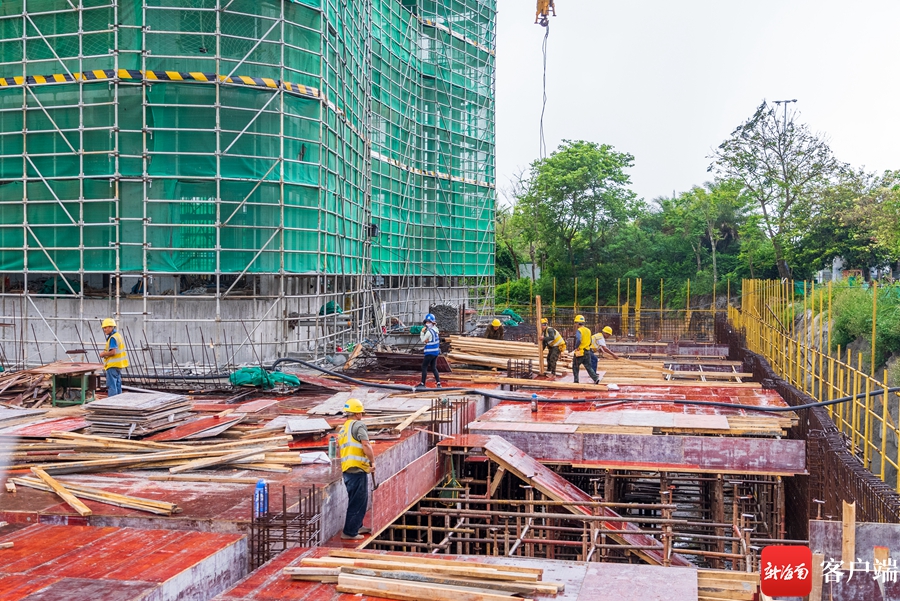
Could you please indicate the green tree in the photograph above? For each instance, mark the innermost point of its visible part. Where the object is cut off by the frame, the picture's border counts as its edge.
(576, 196)
(780, 164)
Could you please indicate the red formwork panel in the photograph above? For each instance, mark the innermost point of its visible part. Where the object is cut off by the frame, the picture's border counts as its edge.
(112, 564)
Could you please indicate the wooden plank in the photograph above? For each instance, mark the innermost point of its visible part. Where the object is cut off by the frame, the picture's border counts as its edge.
(402, 425)
(6, 545)
(430, 561)
(200, 478)
(540, 334)
(223, 459)
(404, 590)
(848, 533)
(524, 588)
(465, 570)
(817, 577)
(73, 502)
(93, 494)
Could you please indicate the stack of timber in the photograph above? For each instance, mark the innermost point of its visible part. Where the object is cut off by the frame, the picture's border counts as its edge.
(24, 388)
(716, 585)
(137, 414)
(495, 353)
(408, 577)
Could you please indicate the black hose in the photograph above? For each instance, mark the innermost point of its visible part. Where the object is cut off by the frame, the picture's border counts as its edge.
(502, 397)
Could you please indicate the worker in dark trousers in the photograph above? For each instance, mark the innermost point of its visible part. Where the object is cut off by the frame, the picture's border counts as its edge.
(494, 331)
(583, 354)
(357, 462)
(599, 347)
(554, 343)
(115, 359)
(431, 337)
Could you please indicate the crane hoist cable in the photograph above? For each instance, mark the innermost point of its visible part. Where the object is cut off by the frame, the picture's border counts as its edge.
(542, 18)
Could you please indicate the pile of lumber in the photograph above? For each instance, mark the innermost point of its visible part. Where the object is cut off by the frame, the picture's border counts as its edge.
(717, 585)
(495, 353)
(137, 414)
(425, 579)
(71, 453)
(24, 388)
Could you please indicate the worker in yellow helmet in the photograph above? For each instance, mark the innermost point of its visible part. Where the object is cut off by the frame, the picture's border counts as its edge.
(582, 353)
(357, 461)
(598, 346)
(494, 331)
(554, 342)
(115, 359)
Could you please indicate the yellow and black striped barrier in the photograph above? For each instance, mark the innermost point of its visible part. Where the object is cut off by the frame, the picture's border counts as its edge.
(131, 74)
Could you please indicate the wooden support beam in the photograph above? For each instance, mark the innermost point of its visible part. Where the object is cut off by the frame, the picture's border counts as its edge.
(540, 334)
(848, 533)
(223, 459)
(73, 502)
(201, 478)
(402, 425)
(817, 577)
(405, 590)
(6, 545)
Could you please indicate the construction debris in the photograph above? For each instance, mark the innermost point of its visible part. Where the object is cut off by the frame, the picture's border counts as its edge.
(24, 388)
(137, 414)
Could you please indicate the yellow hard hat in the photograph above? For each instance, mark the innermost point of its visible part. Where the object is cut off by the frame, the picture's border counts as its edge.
(496, 323)
(579, 319)
(544, 321)
(607, 330)
(108, 323)
(353, 406)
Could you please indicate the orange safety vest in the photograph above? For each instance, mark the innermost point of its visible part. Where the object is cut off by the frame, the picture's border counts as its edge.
(120, 359)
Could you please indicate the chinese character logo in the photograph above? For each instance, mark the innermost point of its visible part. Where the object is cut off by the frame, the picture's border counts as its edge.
(785, 571)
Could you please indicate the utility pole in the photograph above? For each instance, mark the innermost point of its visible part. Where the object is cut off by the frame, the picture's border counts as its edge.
(785, 103)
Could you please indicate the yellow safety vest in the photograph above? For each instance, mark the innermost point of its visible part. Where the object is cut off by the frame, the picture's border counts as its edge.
(352, 454)
(595, 342)
(120, 359)
(558, 340)
(585, 341)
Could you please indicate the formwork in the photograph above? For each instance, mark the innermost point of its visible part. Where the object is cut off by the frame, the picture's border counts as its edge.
(282, 174)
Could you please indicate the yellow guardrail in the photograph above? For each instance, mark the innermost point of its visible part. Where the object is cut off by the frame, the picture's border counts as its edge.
(794, 337)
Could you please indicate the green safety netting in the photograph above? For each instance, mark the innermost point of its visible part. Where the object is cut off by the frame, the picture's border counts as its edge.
(257, 376)
(184, 176)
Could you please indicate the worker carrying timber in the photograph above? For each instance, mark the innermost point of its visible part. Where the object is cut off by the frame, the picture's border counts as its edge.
(582, 353)
(431, 338)
(115, 359)
(599, 347)
(554, 342)
(494, 331)
(357, 462)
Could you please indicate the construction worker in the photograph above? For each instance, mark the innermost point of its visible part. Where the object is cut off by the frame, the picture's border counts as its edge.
(431, 337)
(582, 353)
(554, 342)
(357, 461)
(115, 359)
(494, 331)
(598, 347)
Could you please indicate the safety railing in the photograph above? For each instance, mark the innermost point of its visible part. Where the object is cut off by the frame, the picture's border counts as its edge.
(794, 337)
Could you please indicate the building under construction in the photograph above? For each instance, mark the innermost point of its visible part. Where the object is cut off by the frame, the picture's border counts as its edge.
(276, 176)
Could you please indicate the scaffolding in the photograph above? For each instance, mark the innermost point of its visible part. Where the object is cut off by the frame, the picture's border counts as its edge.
(283, 173)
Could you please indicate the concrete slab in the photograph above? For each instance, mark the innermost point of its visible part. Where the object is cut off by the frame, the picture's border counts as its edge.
(49, 563)
(634, 582)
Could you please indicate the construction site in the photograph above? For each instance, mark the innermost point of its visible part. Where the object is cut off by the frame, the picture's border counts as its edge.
(267, 198)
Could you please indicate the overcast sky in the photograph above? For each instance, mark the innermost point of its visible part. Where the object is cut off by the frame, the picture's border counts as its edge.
(668, 80)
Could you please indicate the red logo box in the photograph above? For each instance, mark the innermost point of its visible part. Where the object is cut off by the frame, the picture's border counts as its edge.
(786, 571)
